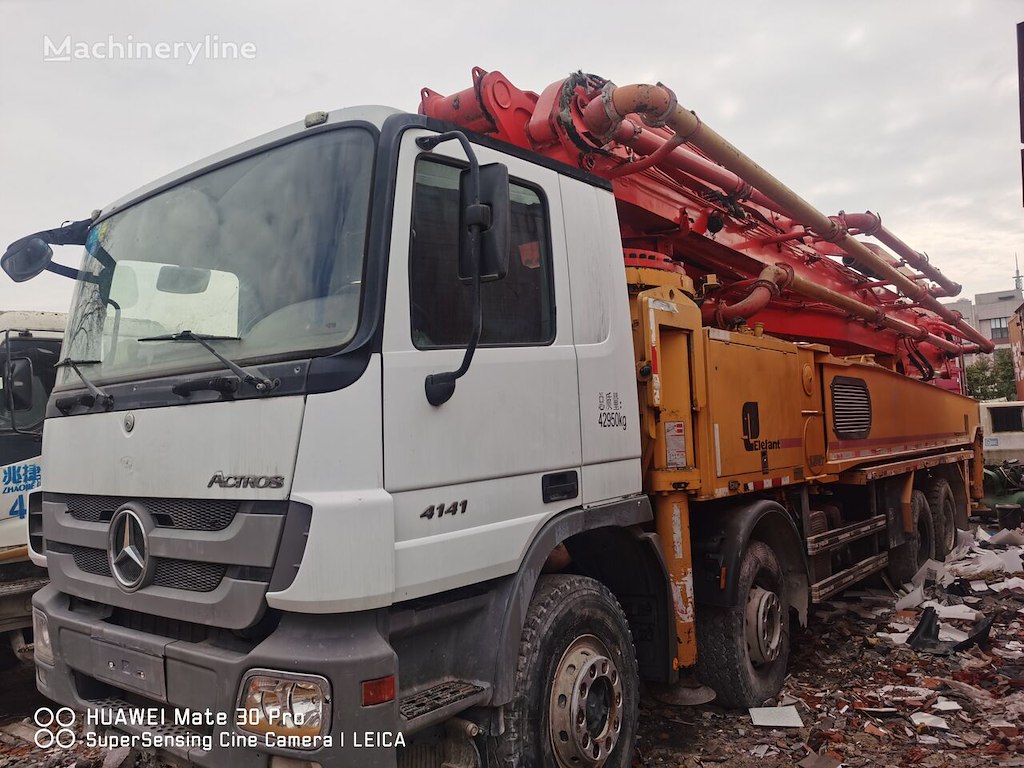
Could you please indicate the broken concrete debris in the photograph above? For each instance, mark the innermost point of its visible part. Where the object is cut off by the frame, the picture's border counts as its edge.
(864, 695)
(864, 700)
(776, 717)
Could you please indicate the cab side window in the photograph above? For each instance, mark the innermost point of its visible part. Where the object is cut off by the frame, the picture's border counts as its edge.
(517, 310)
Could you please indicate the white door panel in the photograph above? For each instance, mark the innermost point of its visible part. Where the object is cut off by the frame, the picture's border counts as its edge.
(506, 418)
(513, 418)
(609, 411)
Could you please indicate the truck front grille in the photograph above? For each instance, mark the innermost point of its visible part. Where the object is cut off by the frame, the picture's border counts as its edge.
(175, 574)
(213, 560)
(185, 574)
(186, 514)
(90, 560)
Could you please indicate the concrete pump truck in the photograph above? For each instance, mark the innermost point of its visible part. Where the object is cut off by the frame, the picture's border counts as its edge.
(423, 439)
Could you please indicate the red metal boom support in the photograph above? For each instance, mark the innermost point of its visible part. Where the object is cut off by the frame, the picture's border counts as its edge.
(684, 191)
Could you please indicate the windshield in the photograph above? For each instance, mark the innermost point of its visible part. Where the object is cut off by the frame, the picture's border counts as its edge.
(269, 249)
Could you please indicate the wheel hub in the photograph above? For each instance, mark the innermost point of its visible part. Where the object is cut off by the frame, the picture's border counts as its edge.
(586, 705)
(763, 625)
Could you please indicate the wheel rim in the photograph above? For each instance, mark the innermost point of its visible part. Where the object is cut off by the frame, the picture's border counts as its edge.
(763, 625)
(586, 705)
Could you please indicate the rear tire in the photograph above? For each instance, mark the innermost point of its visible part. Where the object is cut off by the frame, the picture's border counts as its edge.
(743, 652)
(942, 504)
(919, 547)
(576, 688)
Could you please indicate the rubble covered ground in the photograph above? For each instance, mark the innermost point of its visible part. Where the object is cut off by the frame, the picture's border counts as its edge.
(865, 697)
(872, 683)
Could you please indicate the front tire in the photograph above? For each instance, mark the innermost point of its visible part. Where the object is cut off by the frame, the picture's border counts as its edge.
(576, 689)
(743, 651)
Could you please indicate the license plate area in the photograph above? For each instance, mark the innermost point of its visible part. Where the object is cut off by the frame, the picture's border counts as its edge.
(129, 669)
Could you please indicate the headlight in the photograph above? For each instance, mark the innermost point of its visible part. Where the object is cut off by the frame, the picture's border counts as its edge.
(284, 703)
(41, 637)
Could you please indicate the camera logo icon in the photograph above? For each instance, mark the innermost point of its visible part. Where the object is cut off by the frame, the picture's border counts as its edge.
(55, 728)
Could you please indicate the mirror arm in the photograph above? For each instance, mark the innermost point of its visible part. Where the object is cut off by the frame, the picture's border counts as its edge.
(73, 233)
(74, 274)
(116, 328)
(440, 387)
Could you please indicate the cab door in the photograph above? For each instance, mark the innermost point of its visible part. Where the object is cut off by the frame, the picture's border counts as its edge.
(475, 478)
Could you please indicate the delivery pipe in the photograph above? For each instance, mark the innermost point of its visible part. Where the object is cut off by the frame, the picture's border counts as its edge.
(768, 285)
(870, 224)
(657, 106)
(873, 315)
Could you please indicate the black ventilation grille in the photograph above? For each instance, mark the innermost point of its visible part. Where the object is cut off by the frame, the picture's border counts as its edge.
(189, 575)
(90, 560)
(186, 514)
(851, 408)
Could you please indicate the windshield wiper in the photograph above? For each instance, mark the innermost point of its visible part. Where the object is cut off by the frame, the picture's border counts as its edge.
(94, 395)
(261, 383)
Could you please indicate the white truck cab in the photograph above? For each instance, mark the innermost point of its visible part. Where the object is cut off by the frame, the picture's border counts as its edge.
(251, 504)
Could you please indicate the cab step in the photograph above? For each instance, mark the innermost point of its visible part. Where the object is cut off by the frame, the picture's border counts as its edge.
(441, 701)
(823, 589)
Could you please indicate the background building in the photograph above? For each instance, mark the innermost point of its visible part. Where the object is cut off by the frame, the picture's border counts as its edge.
(991, 313)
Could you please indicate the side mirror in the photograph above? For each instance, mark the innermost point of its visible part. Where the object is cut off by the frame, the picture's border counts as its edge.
(24, 259)
(494, 237)
(19, 383)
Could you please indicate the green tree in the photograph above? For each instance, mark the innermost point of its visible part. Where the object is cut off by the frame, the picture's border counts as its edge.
(991, 379)
(1003, 381)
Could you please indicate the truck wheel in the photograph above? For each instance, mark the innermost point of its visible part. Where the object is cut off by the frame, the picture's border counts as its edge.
(575, 699)
(919, 546)
(742, 652)
(943, 507)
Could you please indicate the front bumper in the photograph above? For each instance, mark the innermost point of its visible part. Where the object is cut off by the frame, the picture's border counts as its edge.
(102, 668)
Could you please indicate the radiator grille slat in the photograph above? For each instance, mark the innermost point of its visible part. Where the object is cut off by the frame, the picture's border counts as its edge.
(851, 408)
(189, 575)
(186, 514)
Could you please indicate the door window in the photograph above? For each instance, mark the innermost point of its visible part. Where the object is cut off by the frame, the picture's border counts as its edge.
(517, 310)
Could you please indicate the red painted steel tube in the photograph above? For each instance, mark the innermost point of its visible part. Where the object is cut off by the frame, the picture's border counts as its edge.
(873, 315)
(870, 224)
(682, 159)
(657, 105)
(768, 285)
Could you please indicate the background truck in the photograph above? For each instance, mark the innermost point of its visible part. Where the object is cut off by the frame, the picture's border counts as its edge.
(29, 348)
(423, 439)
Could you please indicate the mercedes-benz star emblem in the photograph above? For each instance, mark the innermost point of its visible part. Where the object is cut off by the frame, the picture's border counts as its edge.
(127, 550)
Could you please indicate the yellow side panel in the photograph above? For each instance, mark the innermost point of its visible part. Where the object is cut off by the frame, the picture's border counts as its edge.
(897, 416)
(758, 408)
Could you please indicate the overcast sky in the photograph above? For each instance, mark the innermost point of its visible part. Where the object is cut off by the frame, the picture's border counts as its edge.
(909, 109)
